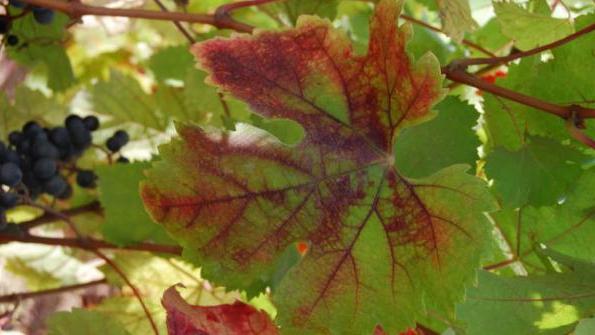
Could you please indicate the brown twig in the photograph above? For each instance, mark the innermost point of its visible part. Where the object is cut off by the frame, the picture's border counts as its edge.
(501, 264)
(134, 289)
(76, 9)
(458, 74)
(178, 25)
(88, 243)
(505, 59)
(572, 124)
(48, 217)
(16, 297)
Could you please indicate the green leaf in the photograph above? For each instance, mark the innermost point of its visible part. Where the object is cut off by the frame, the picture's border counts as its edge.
(290, 10)
(539, 174)
(566, 79)
(80, 321)
(549, 304)
(42, 44)
(379, 242)
(171, 63)
(585, 327)
(152, 276)
(424, 149)
(456, 18)
(123, 98)
(530, 30)
(126, 221)
(568, 227)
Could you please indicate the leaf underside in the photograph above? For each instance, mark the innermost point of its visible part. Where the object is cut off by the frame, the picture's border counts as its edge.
(379, 244)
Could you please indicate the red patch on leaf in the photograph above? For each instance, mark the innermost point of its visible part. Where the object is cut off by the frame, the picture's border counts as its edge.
(235, 319)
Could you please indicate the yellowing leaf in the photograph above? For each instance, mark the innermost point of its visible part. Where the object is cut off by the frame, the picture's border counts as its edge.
(378, 243)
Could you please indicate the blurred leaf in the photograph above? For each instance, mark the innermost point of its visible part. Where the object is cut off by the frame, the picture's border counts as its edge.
(81, 321)
(171, 63)
(42, 44)
(290, 10)
(152, 276)
(528, 29)
(585, 327)
(126, 221)
(456, 18)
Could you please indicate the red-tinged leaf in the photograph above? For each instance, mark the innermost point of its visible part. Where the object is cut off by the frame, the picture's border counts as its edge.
(378, 244)
(234, 319)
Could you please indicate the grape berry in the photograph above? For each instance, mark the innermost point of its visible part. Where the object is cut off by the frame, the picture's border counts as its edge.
(37, 160)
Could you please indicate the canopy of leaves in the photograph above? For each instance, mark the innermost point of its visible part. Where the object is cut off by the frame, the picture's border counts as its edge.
(80, 321)
(378, 241)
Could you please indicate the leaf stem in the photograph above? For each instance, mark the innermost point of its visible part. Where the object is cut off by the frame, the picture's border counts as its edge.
(88, 243)
(76, 9)
(135, 290)
(516, 55)
(178, 25)
(49, 217)
(16, 297)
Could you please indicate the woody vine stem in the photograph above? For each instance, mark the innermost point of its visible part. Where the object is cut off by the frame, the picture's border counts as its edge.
(456, 71)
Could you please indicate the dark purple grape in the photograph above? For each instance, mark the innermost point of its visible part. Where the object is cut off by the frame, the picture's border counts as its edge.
(45, 168)
(91, 122)
(8, 199)
(15, 138)
(67, 193)
(45, 149)
(55, 185)
(43, 15)
(86, 179)
(12, 40)
(113, 144)
(73, 121)
(10, 174)
(122, 136)
(60, 137)
(31, 128)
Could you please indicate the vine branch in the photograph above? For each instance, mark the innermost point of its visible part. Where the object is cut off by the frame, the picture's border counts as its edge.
(49, 217)
(16, 297)
(88, 243)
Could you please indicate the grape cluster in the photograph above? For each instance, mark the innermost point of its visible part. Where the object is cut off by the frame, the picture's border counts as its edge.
(41, 15)
(37, 161)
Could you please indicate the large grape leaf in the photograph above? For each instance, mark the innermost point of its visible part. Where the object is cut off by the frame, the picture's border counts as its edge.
(379, 243)
(549, 304)
(237, 318)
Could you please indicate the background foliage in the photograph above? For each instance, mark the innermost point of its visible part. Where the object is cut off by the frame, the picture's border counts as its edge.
(529, 269)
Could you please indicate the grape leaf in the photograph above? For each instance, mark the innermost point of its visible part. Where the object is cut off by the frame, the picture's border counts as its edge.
(126, 221)
(539, 174)
(567, 227)
(426, 148)
(237, 318)
(585, 327)
(171, 63)
(456, 18)
(81, 321)
(379, 242)
(547, 304)
(152, 275)
(530, 29)
(508, 123)
(42, 44)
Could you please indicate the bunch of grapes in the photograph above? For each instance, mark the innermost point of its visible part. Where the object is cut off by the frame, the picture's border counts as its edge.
(39, 161)
(41, 15)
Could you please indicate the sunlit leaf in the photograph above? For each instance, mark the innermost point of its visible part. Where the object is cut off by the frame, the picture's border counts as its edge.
(378, 241)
